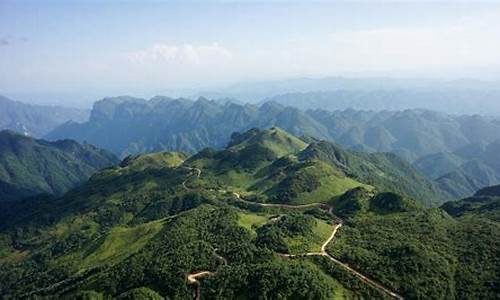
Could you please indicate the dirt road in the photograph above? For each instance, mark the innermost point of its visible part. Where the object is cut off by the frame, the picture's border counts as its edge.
(323, 252)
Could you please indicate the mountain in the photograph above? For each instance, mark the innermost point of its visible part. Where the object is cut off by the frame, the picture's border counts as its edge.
(484, 203)
(438, 164)
(421, 253)
(465, 170)
(376, 93)
(126, 125)
(458, 152)
(36, 120)
(445, 99)
(256, 91)
(29, 166)
(271, 215)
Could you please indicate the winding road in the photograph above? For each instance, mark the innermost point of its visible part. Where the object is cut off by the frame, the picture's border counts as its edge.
(362, 277)
(323, 252)
(238, 196)
(193, 171)
(193, 277)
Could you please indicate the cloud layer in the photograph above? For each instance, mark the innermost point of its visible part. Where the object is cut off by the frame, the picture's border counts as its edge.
(186, 54)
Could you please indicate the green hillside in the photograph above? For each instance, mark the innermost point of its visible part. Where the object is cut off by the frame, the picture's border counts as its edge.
(29, 166)
(485, 203)
(269, 217)
(422, 253)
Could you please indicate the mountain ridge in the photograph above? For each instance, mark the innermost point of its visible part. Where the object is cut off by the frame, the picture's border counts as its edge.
(29, 166)
(36, 120)
(239, 215)
(185, 125)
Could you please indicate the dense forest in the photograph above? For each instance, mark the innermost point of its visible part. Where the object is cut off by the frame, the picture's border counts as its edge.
(272, 216)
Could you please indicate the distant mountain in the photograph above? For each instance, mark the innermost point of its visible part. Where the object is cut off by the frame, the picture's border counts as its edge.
(464, 171)
(409, 133)
(458, 152)
(29, 166)
(271, 216)
(36, 120)
(128, 125)
(451, 100)
(377, 93)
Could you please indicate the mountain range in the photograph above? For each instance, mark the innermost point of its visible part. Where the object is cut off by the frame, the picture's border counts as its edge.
(126, 125)
(36, 120)
(458, 96)
(270, 215)
(464, 171)
(446, 100)
(29, 166)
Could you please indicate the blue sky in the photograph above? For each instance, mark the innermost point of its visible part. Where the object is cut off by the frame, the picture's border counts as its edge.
(86, 49)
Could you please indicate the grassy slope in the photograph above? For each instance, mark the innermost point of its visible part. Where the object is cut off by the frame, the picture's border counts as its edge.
(117, 217)
(119, 243)
(277, 140)
(154, 160)
(297, 244)
(310, 243)
(251, 221)
(29, 166)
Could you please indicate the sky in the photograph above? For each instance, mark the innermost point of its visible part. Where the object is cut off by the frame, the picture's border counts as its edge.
(75, 51)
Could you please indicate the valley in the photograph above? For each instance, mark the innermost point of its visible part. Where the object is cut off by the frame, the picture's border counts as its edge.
(249, 150)
(234, 222)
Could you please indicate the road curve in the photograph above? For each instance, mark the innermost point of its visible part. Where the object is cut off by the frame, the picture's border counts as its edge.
(193, 278)
(364, 278)
(238, 196)
(323, 252)
(192, 171)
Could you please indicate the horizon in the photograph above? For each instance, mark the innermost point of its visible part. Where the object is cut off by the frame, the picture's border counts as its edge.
(57, 53)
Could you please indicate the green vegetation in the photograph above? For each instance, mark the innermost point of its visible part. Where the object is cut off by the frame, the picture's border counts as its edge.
(294, 234)
(457, 152)
(252, 221)
(485, 203)
(421, 252)
(29, 167)
(137, 230)
(386, 172)
(141, 293)
(119, 243)
(153, 160)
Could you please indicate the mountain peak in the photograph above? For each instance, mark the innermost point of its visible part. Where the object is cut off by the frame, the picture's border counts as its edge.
(38, 166)
(106, 108)
(153, 160)
(271, 106)
(275, 139)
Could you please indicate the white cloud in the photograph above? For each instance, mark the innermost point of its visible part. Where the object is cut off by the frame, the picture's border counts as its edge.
(473, 41)
(185, 54)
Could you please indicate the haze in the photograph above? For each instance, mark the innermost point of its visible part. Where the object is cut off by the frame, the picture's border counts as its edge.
(73, 54)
